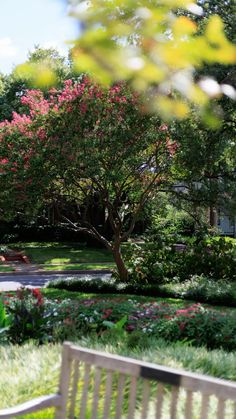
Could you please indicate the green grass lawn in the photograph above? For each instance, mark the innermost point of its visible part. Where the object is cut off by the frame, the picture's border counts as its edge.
(63, 294)
(177, 303)
(79, 266)
(6, 269)
(63, 253)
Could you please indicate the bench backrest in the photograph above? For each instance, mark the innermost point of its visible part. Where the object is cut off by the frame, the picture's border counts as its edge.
(98, 385)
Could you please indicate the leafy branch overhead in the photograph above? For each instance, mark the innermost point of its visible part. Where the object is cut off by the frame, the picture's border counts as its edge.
(156, 46)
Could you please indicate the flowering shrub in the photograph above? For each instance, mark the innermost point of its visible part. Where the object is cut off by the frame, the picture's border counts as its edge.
(35, 318)
(61, 136)
(27, 314)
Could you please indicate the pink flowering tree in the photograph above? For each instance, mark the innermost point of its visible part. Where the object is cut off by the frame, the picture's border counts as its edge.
(84, 140)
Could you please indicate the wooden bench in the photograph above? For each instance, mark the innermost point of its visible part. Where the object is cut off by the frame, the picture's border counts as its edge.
(99, 385)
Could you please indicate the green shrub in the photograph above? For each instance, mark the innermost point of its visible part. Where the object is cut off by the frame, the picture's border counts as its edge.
(27, 315)
(160, 261)
(198, 288)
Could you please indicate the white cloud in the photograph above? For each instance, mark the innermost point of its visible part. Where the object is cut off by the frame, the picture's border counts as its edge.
(61, 48)
(7, 49)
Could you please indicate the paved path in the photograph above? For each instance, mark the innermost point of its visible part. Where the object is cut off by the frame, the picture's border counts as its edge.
(12, 282)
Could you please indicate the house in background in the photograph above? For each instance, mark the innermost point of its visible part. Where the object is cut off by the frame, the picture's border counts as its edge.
(227, 225)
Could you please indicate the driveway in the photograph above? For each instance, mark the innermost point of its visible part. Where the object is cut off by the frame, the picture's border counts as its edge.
(12, 282)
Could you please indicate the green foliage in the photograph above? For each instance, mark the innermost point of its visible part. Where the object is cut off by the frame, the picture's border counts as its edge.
(44, 68)
(27, 316)
(198, 288)
(117, 317)
(135, 36)
(15, 85)
(63, 138)
(200, 326)
(5, 322)
(205, 161)
(160, 261)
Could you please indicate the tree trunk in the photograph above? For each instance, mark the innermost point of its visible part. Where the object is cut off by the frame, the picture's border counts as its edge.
(121, 268)
(212, 216)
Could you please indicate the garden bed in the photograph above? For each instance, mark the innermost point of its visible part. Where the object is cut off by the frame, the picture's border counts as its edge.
(164, 331)
(45, 318)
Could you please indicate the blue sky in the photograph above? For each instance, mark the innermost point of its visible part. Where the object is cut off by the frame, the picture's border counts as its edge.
(25, 23)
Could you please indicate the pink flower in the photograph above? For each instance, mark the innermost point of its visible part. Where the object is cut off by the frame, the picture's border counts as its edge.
(4, 161)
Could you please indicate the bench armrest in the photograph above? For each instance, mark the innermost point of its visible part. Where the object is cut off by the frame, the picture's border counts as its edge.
(34, 405)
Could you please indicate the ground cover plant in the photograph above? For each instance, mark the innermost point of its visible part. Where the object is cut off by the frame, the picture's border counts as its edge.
(45, 319)
(198, 288)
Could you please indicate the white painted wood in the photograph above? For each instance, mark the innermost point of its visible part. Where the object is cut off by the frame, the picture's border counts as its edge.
(108, 395)
(189, 405)
(120, 396)
(174, 402)
(74, 389)
(204, 406)
(159, 401)
(145, 399)
(83, 404)
(64, 381)
(97, 381)
(34, 405)
(132, 397)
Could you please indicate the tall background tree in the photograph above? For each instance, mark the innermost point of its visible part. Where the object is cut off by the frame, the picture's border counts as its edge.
(15, 85)
(207, 158)
(86, 140)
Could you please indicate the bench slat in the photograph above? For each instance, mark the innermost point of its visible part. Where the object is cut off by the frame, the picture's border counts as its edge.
(132, 397)
(174, 402)
(159, 401)
(145, 399)
(120, 396)
(64, 381)
(108, 395)
(220, 408)
(97, 382)
(85, 392)
(204, 406)
(189, 404)
(74, 389)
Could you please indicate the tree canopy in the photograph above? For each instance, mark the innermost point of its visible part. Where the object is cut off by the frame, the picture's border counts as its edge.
(82, 140)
